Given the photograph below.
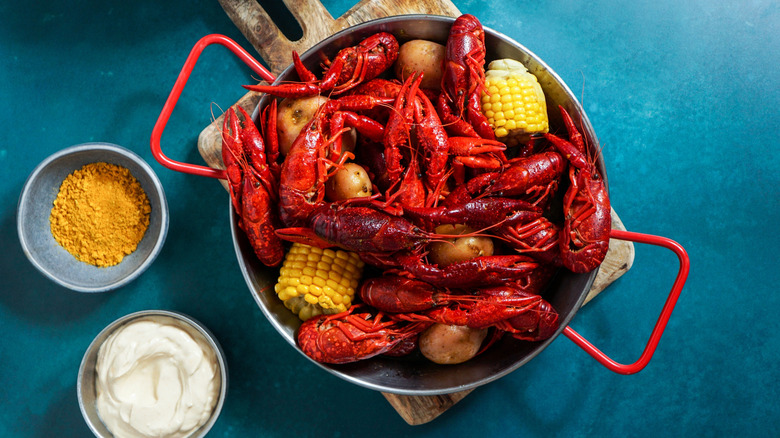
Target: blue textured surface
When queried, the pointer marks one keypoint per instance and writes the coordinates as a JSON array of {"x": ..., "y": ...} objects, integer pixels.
[{"x": 683, "y": 95}]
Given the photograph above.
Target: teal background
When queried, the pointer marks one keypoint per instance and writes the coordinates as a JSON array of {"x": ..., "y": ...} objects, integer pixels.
[{"x": 683, "y": 95}]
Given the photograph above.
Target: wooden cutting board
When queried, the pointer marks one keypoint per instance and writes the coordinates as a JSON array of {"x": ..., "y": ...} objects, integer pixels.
[{"x": 317, "y": 24}]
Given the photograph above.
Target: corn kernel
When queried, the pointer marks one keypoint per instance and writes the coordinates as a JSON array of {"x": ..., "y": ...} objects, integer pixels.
[{"x": 291, "y": 291}]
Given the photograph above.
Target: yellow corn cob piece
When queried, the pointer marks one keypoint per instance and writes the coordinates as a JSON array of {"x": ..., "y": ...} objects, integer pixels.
[
  {"x": 514, "y": 103},
  {"x": 314, "y": 281}
]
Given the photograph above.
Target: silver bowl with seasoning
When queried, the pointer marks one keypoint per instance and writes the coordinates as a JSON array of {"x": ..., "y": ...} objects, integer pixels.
[
  {"x": 52, "y": 259},
  {"x": 199, "y": 337}
]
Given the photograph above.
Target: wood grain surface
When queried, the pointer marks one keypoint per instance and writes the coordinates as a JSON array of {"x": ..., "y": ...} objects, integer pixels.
[{"x": 317, "y": 24}]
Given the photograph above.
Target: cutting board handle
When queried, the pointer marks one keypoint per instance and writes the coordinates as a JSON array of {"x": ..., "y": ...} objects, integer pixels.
[
  {"x": 274, "y": 47},
  {"x": 316, "y": 23}
]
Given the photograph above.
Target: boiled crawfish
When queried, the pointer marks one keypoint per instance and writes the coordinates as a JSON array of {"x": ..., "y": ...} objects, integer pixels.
[
  {"x": 463, "y": 80},
  {"x": 585, "y": 237},
  {"x": 510, "y": 307},
  {"x": 359, "y": 228},
  {"x": 351, "y": 67},
  {"x": 311, "y": 157},
  {"x": 252, "y": 186},
  {"x": 357, "y": 334}
]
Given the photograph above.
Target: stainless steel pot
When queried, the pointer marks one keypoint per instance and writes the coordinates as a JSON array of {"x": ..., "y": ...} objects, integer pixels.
[{"x": 414, "y": 375}]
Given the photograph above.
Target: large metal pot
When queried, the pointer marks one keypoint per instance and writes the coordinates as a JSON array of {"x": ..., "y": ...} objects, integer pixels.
[
  {"x": 414, "y": 375},
  {"x": 417, "y": 376}
]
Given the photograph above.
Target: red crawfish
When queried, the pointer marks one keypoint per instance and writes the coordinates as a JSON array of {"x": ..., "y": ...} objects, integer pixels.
[
  {"x": 360, "y": 229},
  {"x": 584, "y": 239},
  {"x": 534, "y": 178},
  {"x": 463, "y": 80},
  {"x": 355, "y": 335},
  {"x": 252, "y": 186},
  {"x": 398, "y": 129},
  {"x": 476, "y": 272},
  {"x": 437, "y": 146},
  {"x": 509, "y": 307},
  {"x": 477, "y": 213},
  {"x": 311, "y": 158},
  {"x": 402, "y": 184},
  {"x": 351, "y": 67}
]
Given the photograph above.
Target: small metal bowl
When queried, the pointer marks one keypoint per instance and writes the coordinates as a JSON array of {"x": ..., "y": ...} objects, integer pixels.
[
  {"x": 54, "y": 261},
  {"x": 85, "y": 385}
]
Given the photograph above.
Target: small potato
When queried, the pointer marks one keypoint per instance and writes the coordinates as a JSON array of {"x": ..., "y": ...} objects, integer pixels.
[
  {"x": 459, "y": 249},
  {"x": 294, "y": 114},
  {"x": 450, "y": 344},
  {"x": 351, "y": 181},
  {"x": 423, "y": 56}
]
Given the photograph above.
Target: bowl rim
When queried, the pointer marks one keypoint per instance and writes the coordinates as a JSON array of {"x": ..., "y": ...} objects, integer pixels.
[
  {"x": 85, "y": 147},
  {"x": 94, "y": 347}
]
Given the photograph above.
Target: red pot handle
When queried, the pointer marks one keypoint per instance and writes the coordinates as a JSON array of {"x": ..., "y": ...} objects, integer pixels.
[
  {"x": 663, "y": 319},
  {"x": 178, "y": 87}
]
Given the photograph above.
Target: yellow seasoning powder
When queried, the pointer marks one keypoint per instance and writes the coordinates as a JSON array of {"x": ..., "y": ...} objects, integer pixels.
[{"x": 100, "y": 214}]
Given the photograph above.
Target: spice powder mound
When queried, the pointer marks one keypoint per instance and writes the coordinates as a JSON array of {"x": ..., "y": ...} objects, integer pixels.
[{"x": 100, "y": 214}]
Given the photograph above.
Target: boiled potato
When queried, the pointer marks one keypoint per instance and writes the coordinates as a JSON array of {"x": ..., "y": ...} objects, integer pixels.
[
  {"x": 294, "y": 114},
  {"x": 459, "y": 249},
  {"x": 351, "y": 181},
  {"x": 423, "y": 56},
  {"x": 450, "y": 344}
]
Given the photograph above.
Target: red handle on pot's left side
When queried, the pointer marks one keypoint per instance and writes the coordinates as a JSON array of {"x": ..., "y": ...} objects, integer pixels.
[
  {"x": 663, "y": 319},
  {"x": 178, "y": 87}
]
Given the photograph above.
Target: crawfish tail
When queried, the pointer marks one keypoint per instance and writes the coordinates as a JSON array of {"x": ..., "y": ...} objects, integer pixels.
[
  {"x": 232, "y": 155},
  {"x": 395, "y": 294},
  {"x": 538, "y": 238},
  {"x": 259, "y": 221},
  {"x": 537, "y": 324}
]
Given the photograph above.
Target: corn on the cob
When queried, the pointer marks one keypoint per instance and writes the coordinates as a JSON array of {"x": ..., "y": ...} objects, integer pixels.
[
  {"x": 313, "y": 281},
  {"x": 514, "y": 103}
]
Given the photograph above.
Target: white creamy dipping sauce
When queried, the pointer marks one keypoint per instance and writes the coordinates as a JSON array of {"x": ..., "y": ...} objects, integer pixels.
[{"x": 156, "y": 378}]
